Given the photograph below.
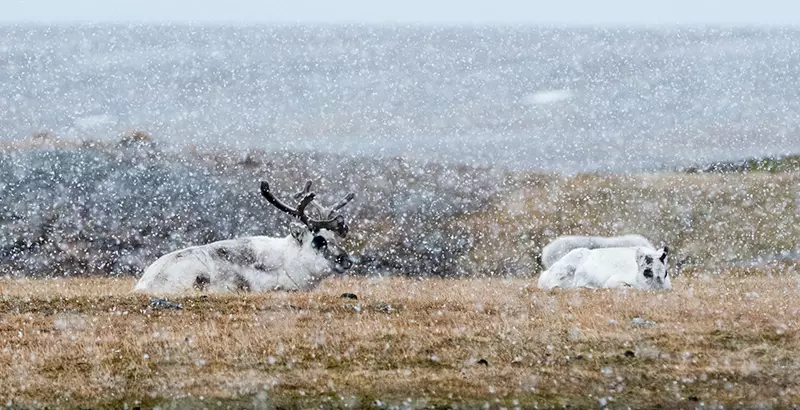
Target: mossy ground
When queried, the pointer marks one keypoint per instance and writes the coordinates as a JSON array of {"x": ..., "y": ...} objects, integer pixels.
[{"x": 718, "y": 340}]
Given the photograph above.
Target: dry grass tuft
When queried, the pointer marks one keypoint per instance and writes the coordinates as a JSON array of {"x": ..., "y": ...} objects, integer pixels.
[{"x": 89, "y": 342}]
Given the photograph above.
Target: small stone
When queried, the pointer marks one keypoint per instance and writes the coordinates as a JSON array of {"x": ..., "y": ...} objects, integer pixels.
[
  {"x": 642, "y": 322},
  {"x": 630, "y": 353},
  {"x": 349, "y": 296},
  {"x": 483, "y": 362},
  {"x": 157, "y": 303}
]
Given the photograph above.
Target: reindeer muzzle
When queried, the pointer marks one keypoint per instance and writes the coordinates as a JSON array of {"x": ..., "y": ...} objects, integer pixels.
[{"x": 344, "y": 262}]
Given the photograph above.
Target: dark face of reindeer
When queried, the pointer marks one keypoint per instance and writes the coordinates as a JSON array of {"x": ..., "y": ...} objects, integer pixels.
[
  {"x": 323, "y": 243},
  {"x": 320, "y": 236},
  {"x": 653, "y": 267}
]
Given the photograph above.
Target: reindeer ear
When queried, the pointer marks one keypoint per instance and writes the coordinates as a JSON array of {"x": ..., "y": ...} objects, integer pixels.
[
  {"x": 664, "y": 253},
  {"x": 298, "y": 230},
  {"x": 339, "y": 221},
  {"x": 343, "y": 228}
]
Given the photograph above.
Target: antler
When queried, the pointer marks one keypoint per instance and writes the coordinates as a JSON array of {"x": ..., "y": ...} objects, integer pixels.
[
  {"x": 334, "y": 224},
  {"x": 321, "y": 210},
  {"x": 344, "y": 201},
  {"x": 307, "y": 190},
  {"x": 277, "y": 203}
]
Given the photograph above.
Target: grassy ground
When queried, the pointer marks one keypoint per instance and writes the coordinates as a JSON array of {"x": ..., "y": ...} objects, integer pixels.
[
  {"x": 707, "y": 220},
  {"x": 90, "y": 342}
]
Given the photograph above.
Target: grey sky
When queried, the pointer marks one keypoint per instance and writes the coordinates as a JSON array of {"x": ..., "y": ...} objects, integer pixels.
[{"x": 421, "y": 11}]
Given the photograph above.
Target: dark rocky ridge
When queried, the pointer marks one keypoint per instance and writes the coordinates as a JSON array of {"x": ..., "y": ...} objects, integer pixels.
[{"x": 102, "y": 209}]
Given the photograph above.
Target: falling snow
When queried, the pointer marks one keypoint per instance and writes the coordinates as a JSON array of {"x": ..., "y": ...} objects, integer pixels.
[{"x": 468, "y": 148}]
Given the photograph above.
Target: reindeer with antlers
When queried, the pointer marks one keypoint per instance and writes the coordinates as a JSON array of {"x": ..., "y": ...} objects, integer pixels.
[{"x": 298, "y": 261}]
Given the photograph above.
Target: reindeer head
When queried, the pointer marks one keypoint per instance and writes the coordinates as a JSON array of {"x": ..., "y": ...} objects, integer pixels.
[
  {"x": 319, "y": 235},
  {"x": 653, "y": 267}
]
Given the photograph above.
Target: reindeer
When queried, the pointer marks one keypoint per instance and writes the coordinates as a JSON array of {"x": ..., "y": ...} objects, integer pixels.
[
  {"x": 562, "y": 245},
  {"x": 296, "y": 262},
  {"x": 638, "y": 267}
]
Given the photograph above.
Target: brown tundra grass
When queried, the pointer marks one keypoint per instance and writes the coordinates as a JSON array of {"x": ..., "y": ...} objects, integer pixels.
[{"x": 717, "y": 340}]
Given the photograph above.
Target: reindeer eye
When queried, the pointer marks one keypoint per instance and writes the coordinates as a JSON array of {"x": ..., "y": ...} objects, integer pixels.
[
  {"x": 319, "y": 242},
  {"x": 648, "y": 273}
]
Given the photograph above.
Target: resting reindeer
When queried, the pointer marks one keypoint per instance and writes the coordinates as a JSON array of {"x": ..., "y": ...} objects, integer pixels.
[
  {"x": 298, "y": 261},
  {"x": 638, "y": 267},
  {"x": 562, "y": 245}
]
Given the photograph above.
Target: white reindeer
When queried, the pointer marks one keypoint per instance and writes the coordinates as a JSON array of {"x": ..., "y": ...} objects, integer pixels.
[
  {"x": 298, "y": 261},
  {"x": 638, "y": 267},
  {"x": 562, "y": 245}
]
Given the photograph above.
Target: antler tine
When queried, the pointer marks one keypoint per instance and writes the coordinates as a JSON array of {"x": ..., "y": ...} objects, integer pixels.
[
  {"x": 277, "y": 203},
  {"x": 306, "y": 190},
  {"x": 301, "y": 209},
  {"x": 339, "y": 205}
]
